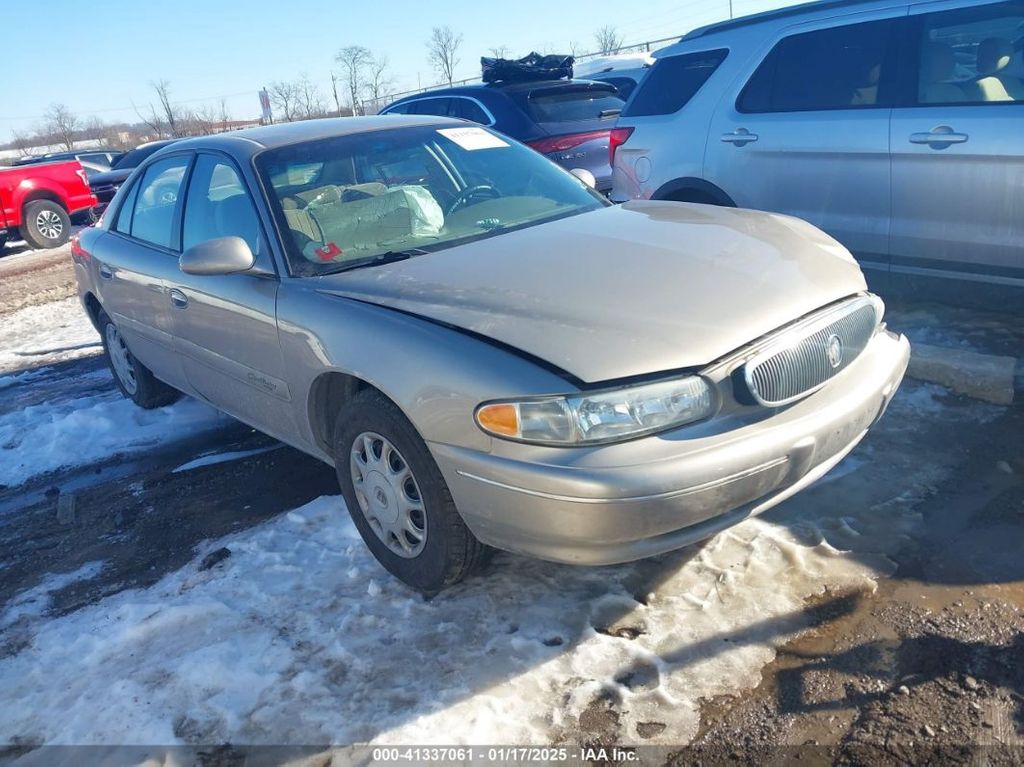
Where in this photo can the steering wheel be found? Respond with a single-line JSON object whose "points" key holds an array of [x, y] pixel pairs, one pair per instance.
{"points": [[467, 194]]}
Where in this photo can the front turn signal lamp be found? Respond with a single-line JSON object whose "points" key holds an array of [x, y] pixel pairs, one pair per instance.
{"points": [[606, 416]]}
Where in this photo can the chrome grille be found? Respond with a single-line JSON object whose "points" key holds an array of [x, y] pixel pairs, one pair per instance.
{"points": [[803, 357]]}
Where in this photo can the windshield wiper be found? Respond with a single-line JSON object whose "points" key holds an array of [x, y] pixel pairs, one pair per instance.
{"points": [[387, 257], [610, 112]]}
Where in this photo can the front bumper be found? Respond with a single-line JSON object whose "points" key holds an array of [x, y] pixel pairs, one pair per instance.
{"points": [[677, 489]]}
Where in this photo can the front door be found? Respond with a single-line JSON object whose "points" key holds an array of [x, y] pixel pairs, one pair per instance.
{"points": [[809, 133], [958, 147], [225, 326]]}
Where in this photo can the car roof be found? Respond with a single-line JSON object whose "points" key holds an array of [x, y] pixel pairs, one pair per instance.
{"points": [[252, 140], [801, 9], [499, 87]]}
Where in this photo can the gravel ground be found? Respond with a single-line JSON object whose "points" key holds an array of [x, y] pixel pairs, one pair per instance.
{"points": [[33, 277]]}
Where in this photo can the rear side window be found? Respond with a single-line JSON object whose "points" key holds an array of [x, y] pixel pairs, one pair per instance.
{"points": [[157, 201], [573, 104], [470, 110], [672, 82], [438, 107], [972, 56], [839, 68]]}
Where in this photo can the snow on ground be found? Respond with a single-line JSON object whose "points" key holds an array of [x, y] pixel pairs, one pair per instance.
{"points": [[45, 334], [54, 435], [299, 637]]}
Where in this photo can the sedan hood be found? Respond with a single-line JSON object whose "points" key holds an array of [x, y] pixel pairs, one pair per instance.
{"points": [[638, 288]]}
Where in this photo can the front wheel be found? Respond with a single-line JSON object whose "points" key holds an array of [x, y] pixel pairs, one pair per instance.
{"points": [[397, 497], [46, 224], [134, 379]]}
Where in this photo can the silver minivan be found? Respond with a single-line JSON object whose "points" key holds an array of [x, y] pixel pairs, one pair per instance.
{"points": [[897, 127]]}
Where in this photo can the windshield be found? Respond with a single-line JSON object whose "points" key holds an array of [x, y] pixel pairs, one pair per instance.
{"points": [[135, 157], [355, 201]]}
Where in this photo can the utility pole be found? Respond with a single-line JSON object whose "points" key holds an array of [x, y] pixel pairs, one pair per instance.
{"points": [[730, 9]]}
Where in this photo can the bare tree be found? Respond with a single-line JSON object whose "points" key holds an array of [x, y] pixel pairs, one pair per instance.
{"points": [[499, 52], [576, 49], [379, 80], [608, 40], [60, 123], [284, 96], [309, 102], [224, 115], [442, 51], [353, 60], [169, 113], [23, 143], [334, 93]]}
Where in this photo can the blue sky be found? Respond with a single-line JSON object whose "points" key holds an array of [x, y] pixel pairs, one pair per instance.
{"points": [[103, 56]]}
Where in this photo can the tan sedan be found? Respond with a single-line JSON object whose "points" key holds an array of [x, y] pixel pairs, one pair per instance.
{"points": [[486, 350]]}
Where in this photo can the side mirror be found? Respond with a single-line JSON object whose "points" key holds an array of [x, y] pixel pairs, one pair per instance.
{"points": [[585, 176], [224, 255]]}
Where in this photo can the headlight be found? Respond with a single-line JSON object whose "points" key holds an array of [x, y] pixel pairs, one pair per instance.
{"points": [[607, 416]]}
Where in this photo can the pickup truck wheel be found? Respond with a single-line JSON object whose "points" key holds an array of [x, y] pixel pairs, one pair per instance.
{"points": [[46, 224], [397, 497], [134, 379]]}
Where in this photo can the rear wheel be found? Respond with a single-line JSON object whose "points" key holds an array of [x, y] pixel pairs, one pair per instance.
{"points": [[134, 379], [46, 224], [397, 497]]}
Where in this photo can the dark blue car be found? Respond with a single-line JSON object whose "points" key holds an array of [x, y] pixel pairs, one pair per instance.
{"points": [[567, 120]]}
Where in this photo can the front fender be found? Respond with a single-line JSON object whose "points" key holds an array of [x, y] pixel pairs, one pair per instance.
{"points": [[435, 374]]}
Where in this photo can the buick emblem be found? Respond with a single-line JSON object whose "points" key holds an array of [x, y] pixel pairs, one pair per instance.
{"points": [[834, 350]]}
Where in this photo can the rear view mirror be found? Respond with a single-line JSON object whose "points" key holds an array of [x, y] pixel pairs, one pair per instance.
{"points": [[223, 255], [585, 176]]}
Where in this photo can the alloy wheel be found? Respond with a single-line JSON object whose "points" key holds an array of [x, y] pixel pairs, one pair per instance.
{"points": [[49, 225]]}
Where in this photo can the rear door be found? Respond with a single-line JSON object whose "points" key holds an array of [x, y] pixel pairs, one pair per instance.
{"points": [[809, 133], [225, 326], [577, 118], [135, 259], [958, 147]]}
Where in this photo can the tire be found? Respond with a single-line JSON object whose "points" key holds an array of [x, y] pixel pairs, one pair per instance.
{"points": [[134, 379], [447, 551], [46, 224]]}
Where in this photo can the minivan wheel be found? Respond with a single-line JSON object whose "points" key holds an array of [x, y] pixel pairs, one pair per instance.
{"points": [[397, 497], [46, 224], [134, 379]]}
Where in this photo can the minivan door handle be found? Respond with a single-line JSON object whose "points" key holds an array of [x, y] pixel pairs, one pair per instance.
{"points": [[178, 298], [939, 138], [739, 137]]}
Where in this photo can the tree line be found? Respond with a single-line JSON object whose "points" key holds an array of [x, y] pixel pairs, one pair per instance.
{"points": [[361, 85]]}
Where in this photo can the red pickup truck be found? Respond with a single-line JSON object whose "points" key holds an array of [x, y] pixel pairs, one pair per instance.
{"points": [[39, 200]]}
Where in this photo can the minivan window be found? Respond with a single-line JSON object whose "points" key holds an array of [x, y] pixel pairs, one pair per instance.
{"points": [[157, 201], [672, 82], [839, 68], [571, 104], [972, 56]]}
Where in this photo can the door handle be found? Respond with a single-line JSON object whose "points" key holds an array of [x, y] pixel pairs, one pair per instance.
{"points": [[105, 272], [178, 298], [739, 137], [939, 138]]}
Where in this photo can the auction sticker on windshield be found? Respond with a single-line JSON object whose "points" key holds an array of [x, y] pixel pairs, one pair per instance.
{"points": [[472, 138]]}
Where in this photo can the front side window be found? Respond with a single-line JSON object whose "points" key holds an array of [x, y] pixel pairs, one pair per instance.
{"points": [[972, 56], [410, 191], [672, 82], [839, 68], [157, 200], [218, 205]]}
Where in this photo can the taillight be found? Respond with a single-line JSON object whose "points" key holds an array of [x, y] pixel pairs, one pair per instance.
{"points": [[77, 251], [615, 140], [567, 142], [81, 174]]}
